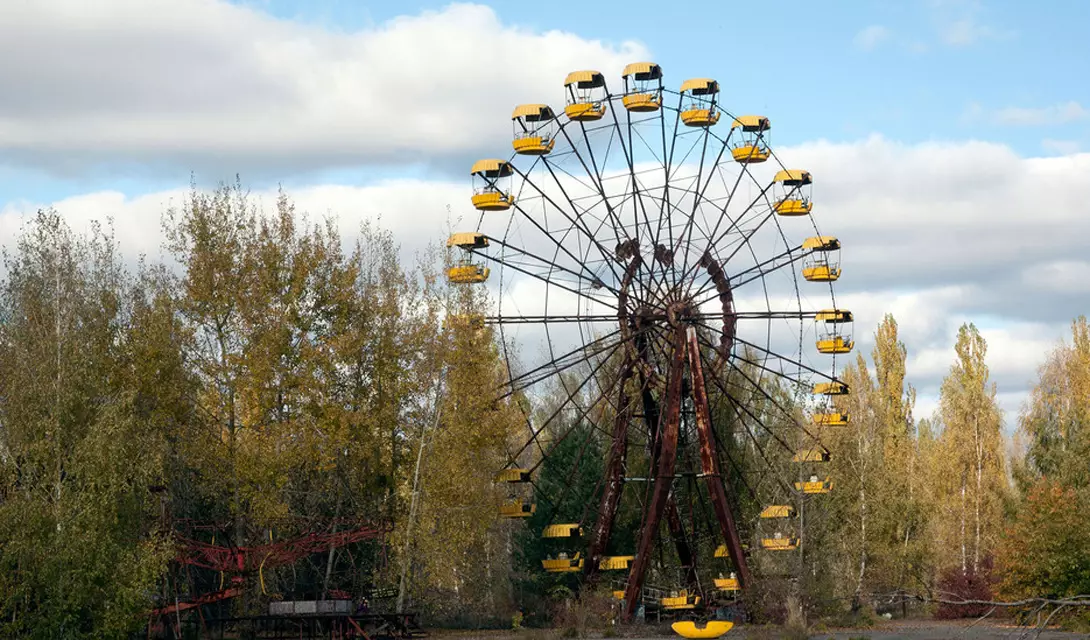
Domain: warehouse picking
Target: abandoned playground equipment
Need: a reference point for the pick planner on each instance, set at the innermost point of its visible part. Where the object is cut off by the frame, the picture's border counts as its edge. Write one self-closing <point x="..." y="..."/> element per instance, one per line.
<point x="671" y="271"/>
<point x="193" y="613"/>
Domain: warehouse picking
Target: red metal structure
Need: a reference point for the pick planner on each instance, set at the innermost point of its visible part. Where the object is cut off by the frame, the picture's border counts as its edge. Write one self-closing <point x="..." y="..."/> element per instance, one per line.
<point x="242" y="560"/>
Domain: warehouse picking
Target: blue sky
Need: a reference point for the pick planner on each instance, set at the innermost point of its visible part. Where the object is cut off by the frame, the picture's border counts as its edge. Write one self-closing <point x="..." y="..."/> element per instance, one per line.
<point x="910" y="69"/>
<point x="949" y="138"/>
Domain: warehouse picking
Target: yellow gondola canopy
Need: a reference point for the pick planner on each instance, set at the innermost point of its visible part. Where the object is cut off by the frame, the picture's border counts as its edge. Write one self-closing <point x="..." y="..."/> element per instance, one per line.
<point x="562" y="531"/>
<point x="834" y="315"/>
<point x="778" y="511"/>
<point x="585" y="79"/>
<point x="513" y="475"/>
<point x="832" y="419"/>
<point x="642" y="71"/>
<point x="468" y="240"/>
<point x="533" y="112"/>
<point x="491" y="168"/>
<point x="812" y="455"/>
<point x="751" y="123"/>
<point x="821" y="243"/>
<point x="793" y="177"/>
<point x="835" y="388"/>
<point x="700" y="86"/>
<point x="615" y="563"/>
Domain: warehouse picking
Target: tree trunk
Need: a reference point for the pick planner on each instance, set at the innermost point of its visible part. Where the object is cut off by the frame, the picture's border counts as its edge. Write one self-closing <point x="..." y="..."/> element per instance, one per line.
<point x="964" y="556"/>
<point x="979" y="486"/>
<point x="403" y="582"/>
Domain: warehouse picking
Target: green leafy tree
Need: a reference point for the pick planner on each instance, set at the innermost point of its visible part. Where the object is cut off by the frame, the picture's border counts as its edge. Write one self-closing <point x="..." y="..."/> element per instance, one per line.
<point x="1056" y="419"/>
<point x="79" y="549"/>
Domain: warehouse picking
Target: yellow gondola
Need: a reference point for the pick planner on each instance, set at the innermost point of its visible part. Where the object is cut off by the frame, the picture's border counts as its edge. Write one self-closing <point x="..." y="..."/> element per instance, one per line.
<point x="778" y="511"/>
<point x="698" y="102"/>
<point x="834" y="388"/>
<point x="642" y="87"/>
<point x="712" y="629"/>
<point x="814" y="486"/>
<point x="586" y="96"/>
<point x="836" y="338"/>
<point x="517" y="509"/>
<point x="728" y="584"/>
<point x="752" y="145"/>
<point x="721" y="551"/>
<point x="513" y="475"/>
<point x="615" y="563"/>
<point x="467" y="273"/>
<point x="832" y="419"/>
<point x="563" y="564"/>
<point x="534" y="127"/>
<point x="489" y="179"/>
<point x="681" y="601"/>
<point x="822" y="264"/>
<point x="792" y="190"/>
<point x="780" y="543"/>
<point x="562" y="531"/>
<point x="812" y="455"/>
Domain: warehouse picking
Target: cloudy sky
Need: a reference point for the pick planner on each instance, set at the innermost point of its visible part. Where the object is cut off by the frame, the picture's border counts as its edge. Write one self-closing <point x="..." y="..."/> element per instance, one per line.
<point x="949" y="139"/>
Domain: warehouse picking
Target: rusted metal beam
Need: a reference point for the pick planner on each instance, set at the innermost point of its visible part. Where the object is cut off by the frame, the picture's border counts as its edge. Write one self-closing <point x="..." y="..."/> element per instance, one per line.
<point x="614" y="481"/>
<point x="667" y="448"/>
<point x="710" y="464"/>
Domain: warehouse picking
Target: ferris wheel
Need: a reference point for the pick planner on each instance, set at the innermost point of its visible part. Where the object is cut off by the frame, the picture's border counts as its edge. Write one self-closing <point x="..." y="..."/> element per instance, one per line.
<point x="665" y="301"/>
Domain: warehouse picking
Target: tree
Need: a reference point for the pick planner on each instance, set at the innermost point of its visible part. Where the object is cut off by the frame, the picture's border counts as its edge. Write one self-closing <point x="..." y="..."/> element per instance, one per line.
<point x="458" y="548"/>
<point x="79" y="547"/>
<point x="874" y="463"/>
<point x="969" y="473"/>
<point x="1056" y="418"/>
<point x="1045" y="553"/>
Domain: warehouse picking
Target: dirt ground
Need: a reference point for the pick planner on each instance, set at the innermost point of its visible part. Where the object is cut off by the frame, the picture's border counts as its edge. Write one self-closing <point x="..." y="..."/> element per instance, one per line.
<point x="895" y="630"/>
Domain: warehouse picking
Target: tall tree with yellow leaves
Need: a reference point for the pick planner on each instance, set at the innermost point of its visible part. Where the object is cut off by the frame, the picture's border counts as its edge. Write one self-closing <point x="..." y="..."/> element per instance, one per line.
<point x="969" y="469"/>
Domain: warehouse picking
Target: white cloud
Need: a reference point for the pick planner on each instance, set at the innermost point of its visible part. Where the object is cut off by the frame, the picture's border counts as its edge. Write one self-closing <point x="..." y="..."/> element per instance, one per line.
<point x="207" y="83"/>
<point x="1062" y="113"/>
<point x="870" y="37"/>
<point x="935" y="233"/>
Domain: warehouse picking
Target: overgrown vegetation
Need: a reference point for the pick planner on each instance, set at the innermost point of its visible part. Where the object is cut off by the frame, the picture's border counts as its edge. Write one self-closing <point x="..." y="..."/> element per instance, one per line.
<point x="272" y="383"/>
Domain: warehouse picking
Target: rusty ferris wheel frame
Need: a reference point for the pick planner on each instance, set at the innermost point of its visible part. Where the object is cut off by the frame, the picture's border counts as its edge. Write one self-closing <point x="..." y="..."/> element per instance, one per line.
<point x="632" y="229"/>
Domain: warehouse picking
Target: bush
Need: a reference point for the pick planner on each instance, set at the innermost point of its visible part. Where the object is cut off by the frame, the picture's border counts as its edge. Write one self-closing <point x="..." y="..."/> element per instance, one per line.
<point x="1046" y="550"/>
<point x="958" y="585"/>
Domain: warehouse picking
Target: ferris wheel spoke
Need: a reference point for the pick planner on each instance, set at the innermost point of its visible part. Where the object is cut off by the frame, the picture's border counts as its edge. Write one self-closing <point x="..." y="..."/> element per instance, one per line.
<point x="560" y="364"/>
<point x="551" y="319"/>
<point x="582" y="416"/>
<point x="755" y="386"/>
<point x="784" y="259"/>
<point x="743" y="243"/>
<point x="698" y="197"/>
<point x="592" y="279"/>
<point x="741" y="408"/>
<point x="784" y="358"/>
<point x="575" y="218"/>
<point x="569" y="399"/>
<point x="587" y="274"/>
<point x="593" y="171"/>
<point x="548" y="281"/>
<point x="714" y="238"/>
